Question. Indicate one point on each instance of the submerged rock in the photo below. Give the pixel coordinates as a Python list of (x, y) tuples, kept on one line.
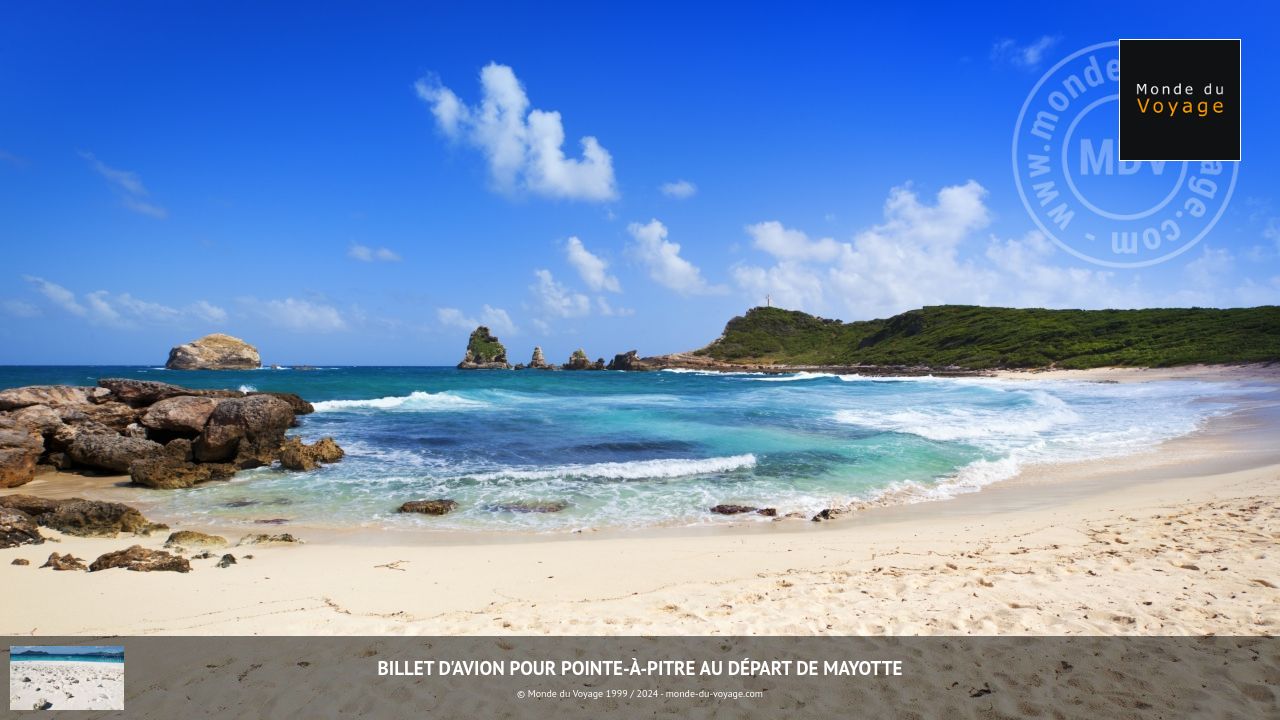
[(17, 528), (140, 559), (729, 509), (484, 352), (441, 506), (194, 539), (64, 562), (295, 455), (214, 352), (529, 506)]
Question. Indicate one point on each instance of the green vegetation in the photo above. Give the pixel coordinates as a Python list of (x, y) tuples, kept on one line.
[(981, 337), (483, 347)]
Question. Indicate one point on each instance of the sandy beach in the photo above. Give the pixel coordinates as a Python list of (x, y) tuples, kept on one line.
[(66, 685), (1178, 540)]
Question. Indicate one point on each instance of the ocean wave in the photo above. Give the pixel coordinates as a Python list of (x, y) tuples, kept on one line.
[(708, 373), (632, 470), (248, 389), (417, 401), (1047, 413)]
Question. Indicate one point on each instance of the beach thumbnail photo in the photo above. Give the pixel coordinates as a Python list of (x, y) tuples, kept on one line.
[(66, 677)]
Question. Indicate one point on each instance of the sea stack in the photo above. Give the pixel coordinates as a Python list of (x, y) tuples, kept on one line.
[(484, 352), (538, 362), (214, 352)]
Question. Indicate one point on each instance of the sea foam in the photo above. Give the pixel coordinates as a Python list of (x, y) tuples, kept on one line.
[(417, 401)]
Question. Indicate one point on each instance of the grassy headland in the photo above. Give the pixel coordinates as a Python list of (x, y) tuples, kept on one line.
[(964, 336)]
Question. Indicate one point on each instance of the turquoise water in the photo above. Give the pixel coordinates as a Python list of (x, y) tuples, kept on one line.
[(60, 653), (658, 448)]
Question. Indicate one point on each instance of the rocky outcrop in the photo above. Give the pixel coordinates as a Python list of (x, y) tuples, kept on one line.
[(184, 415), (17, 528), (578, 361), (141, 393), (111, 452), (296, 455), (442, 506), (64, 562), (300, 406), (629, 361), (214, 352), (54, 396), (20, 448), (191, 538), (165, 472), (484, 352), (140, 559), (96, 518), (538, 362), (245, 431)]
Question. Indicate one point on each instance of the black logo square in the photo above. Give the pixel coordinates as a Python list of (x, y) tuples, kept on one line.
[(1180, 100)]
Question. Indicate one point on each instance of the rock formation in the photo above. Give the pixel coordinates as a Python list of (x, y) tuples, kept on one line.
[(484, 352), (64, 562), (191, 538), (296, 455), (629, 361), (578, 361), (17, 528), (538, 362), (164, 436), (214, 352), (140, 559), (77, 516)]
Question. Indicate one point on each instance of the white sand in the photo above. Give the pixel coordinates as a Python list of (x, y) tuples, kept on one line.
[(66, 685), (1176, 541)]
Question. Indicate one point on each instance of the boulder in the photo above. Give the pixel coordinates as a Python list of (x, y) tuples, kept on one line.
[(20, 561), (629, 361), (17, 528), (111, 452), (20, 449), (30, 504), (184, 415), (578, 361), (484, 352), (295, 455), (96, 518), (65, 435), (113, 415), (827, 514), (733, 509), (54, 396), (140, 559), (41, 418), (64, 562), (529, 506), (165, 472), (247, 431), (598, 364), (300, 406), (214, 352), (442, 506), (538, 362), (191, 538), (140, 393)]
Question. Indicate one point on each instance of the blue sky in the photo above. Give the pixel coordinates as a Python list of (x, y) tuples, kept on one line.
[(324, 181)]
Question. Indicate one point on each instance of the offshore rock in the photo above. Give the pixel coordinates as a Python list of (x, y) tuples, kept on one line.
[(629, 361), (484, 352), (538, 362), (578, 361), (214, 352), (296, 455)]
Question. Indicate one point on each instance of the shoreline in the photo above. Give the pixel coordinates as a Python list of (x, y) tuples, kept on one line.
[(1171, 541)]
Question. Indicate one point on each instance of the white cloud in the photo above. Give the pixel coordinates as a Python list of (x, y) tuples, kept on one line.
[(785, 244), (553, 299), (300, 315), (20, 309), (679, 189), (496, 319), (1027, 56), (523, 146), (364, 253), (591, 268), (606, 309), (662, 259), (101, 307), (128, 186)]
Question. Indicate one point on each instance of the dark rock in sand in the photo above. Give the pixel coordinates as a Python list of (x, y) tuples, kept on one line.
[(227, 561), (263, 539), (140, 393), (140, 559), (167, 473), (529, 506), (185, 414), (64, 562), (17, 528), (246, 431), (194, 539), (441, 506), (214, 352), (828, 514), (295, 455), (20, 561), (111, 452)]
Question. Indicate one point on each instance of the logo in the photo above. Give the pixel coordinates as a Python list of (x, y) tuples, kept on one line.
[(1107, 211)]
